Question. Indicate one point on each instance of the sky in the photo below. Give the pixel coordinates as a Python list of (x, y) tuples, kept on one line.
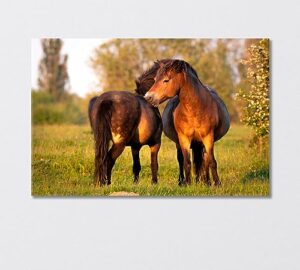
[(82, 77)]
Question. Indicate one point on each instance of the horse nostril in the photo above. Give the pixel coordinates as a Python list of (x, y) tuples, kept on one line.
[(148, 98)]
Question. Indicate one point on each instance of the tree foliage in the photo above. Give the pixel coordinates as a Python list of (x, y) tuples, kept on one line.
[(118, 62), (53, 75), (256, 98)]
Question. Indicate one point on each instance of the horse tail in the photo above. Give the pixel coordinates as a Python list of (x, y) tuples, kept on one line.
[(102, 135), (197, 150), (91, 104)]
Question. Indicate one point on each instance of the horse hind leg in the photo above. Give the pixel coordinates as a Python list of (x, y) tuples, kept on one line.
[(197, 150), (213, 166), (154, 163), (115, 151), (180, 163), (136, 168)]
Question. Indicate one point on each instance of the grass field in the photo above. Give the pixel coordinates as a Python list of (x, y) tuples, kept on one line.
[(63, 164)]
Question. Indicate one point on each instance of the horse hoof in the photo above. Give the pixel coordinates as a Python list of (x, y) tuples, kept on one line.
[(154, 181), (218, 184), (135, 181), (182, 183), (207, 184)]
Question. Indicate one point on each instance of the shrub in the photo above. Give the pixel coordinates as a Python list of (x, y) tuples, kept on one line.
[(46, 110), (256, 99)]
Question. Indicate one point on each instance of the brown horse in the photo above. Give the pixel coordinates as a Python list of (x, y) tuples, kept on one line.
[(125, 119), (194, 118)]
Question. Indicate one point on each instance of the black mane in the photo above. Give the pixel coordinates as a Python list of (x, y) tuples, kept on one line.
[(146, 80), (177, 66)]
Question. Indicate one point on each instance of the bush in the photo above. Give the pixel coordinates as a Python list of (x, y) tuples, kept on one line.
[(46, 110), (256, 99)]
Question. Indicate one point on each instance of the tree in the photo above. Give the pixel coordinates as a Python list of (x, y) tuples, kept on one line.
[(53, 75), (118, 62), (216, 70), (243, 82), (256, 98)]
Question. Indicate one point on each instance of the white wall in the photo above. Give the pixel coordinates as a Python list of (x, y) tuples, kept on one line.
[(75, 233)]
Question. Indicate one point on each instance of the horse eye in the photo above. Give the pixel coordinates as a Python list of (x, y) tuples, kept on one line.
[(165, 81)]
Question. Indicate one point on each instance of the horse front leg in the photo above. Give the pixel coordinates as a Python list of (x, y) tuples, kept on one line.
[(115, 151), (205, 169), (210, 161), (154, 164), (136, 168), (185, 144)]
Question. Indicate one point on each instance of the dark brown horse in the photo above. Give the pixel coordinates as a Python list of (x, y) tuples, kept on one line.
[(91, 104), (125, 119), (195, 117)]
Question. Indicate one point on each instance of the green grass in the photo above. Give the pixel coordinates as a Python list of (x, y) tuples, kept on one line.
[(63, 164)]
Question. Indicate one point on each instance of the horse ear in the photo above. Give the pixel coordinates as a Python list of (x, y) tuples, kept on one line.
[(137, 83), (178, 66), (160, 63), (185, 69), (184, 75), (184, 66)]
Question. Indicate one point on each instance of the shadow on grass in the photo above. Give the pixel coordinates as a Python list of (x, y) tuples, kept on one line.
[(261, 174)]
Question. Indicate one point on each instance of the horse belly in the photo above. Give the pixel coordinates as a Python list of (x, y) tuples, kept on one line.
[(224, 123)]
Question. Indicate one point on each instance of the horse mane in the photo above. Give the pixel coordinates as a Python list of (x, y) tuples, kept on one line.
[(177, 66), (160, 67), (145, 81)]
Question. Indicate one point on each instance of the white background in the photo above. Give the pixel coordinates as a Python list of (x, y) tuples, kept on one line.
[(86, 233)]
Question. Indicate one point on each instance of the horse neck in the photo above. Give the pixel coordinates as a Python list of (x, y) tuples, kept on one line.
[(192, 95)]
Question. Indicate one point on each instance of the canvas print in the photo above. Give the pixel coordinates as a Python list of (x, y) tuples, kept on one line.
[(150, 117)]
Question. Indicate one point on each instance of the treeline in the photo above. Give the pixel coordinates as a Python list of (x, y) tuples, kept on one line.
[(237, 69), (118, 62)]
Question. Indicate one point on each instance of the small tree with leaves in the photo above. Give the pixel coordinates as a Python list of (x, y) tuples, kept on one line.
[(53, 75), (256, 99)]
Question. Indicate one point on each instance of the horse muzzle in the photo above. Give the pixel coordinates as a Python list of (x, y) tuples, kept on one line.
[(151, 99)]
